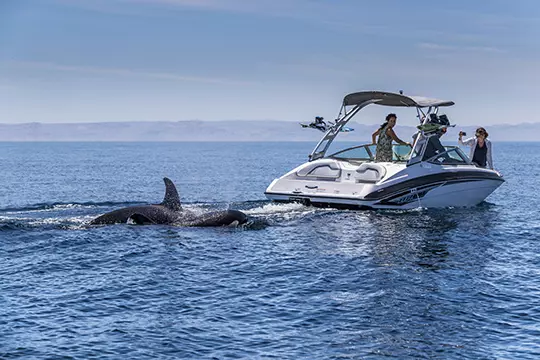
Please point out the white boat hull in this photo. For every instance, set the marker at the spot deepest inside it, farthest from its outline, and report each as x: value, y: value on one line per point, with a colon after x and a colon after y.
x: 402, y: 188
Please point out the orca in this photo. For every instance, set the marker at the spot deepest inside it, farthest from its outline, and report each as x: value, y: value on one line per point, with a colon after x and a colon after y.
x: 170, y: 212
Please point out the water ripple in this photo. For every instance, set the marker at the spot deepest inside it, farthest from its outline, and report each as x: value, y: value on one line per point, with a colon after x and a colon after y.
x: 296, y: 283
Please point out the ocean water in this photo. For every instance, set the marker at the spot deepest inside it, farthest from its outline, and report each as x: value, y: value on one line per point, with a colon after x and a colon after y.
x: 298, y: 283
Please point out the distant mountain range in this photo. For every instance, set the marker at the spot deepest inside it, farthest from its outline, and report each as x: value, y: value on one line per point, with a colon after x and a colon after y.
x: 234, y: 130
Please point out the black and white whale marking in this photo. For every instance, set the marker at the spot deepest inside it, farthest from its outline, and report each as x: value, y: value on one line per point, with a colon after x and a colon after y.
x: 170, y: 212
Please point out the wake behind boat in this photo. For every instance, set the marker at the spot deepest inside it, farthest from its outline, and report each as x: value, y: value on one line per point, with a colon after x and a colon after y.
x: 426, y: 174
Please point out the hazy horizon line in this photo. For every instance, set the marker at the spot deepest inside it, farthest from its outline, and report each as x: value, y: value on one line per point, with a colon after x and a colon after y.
x: 233, y: 120
x: 220, y: 141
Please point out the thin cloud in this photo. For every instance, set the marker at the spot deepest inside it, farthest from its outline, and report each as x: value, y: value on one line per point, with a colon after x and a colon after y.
x: 332, y: 15
x: 123, y: 72
x: 267, y: 7
x: 451, y: 48
x: 495, y: 20
x: 272, y: 7
x: 303, y: 10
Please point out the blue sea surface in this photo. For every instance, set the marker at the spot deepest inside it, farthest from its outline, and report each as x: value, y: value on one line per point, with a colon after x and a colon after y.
x: 297, y: 283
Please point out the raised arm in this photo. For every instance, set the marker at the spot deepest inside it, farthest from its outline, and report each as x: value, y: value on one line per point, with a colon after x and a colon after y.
x: 468, y: 142
x: 393, y: 135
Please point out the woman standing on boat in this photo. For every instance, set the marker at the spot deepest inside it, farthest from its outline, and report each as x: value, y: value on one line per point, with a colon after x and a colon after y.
x: 384, y: 143
x: 480, y: 148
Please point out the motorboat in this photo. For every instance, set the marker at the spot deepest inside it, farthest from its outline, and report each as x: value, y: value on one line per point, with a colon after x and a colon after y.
x: 425, y: 174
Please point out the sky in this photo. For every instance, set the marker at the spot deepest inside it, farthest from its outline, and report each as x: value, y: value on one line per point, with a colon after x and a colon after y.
x: 70, y: 61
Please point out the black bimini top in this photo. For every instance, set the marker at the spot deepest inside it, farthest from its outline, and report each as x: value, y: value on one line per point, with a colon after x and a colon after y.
x: 392, y: 99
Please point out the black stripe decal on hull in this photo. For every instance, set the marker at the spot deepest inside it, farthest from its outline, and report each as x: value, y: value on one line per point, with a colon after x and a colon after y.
x: 449, y: 177
x: 419, y: 192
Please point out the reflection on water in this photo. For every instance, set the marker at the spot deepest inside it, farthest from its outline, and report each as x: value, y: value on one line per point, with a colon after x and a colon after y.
x: 426, y: 235
x: 300, y: 283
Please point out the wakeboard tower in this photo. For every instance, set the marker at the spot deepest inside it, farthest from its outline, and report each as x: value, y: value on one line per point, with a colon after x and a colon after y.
x: 321, y: 125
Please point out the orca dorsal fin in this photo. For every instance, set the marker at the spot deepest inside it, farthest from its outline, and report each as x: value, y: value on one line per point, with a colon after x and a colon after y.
x: 171, y: 200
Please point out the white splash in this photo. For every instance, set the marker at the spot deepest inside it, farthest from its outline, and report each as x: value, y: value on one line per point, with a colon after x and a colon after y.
x: 276, y: 208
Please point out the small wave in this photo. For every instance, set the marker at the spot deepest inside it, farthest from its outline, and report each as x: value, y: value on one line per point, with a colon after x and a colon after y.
x: 77, y: 215
x: 11, y: 225
x: 255, y: 223
x: 282, y: 214
x: 29, y: 223
x: 63, y: 206
x: 53, y: 206
x: 277, y: 208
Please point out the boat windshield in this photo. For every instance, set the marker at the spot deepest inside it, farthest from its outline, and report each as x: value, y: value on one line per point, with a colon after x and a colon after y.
x: 367, y: 152
x: 453, y: 156
x: 431, y: 150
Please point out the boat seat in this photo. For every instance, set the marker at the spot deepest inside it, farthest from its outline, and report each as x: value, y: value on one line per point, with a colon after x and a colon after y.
x: 370, y: 173
x: 321, y: 170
